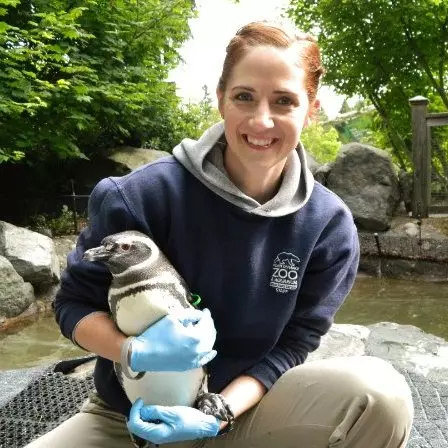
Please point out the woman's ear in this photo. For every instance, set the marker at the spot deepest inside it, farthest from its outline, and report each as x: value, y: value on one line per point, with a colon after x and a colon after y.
x: 314, y: 107
x: 220, y: 96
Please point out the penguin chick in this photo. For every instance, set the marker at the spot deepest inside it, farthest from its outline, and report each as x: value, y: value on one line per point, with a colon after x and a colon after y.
x: 145, y: 287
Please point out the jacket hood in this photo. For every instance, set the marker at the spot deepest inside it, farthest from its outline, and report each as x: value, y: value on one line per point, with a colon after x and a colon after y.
x: 204, y: 160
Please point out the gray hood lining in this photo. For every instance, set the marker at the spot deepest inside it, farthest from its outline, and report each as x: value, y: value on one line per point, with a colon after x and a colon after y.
x: 204, y: 160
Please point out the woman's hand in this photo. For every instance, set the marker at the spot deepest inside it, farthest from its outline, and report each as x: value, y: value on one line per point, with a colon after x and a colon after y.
x: 175, y: 343
x: 167, y: 424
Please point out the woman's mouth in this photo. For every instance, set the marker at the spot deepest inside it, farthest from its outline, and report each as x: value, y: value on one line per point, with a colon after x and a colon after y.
x: 259, y: 143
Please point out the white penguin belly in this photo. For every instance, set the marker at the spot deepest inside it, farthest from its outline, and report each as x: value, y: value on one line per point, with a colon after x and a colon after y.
x: 137, y: 312
x: 134, y: 314
x: 165, y: 388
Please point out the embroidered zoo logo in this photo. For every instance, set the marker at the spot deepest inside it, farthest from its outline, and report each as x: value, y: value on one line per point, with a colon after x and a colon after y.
x: 285, y: 272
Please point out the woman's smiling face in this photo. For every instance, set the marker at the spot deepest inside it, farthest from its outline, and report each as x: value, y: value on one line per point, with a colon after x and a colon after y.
x: 265, y: 106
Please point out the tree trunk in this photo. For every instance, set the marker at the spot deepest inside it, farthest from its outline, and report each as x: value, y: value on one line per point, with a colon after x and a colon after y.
x: 398, y: 145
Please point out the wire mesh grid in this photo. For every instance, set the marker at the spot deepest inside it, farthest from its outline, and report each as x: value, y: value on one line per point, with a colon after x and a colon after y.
x: 41, y: 406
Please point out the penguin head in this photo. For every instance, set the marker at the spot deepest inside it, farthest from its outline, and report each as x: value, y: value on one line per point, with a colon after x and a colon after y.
x: 123, y: 250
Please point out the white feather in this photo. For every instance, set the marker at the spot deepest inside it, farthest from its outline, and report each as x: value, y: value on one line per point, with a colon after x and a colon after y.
x: 165, y: 277
x: 136, y: 312
x: 165, y: 388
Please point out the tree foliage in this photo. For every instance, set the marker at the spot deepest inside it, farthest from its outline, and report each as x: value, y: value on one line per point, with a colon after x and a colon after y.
x: 322, y: 142
x: 195, y: 118
x: 80, y: 76
x: 386, y: 51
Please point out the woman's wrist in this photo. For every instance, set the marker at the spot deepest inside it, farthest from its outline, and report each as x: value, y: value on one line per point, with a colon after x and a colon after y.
x: 125, y: 359
x: 98, y: 334
x: 241, y: 394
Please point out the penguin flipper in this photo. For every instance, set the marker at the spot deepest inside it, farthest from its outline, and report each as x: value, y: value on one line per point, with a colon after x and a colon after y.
x: 216, y: 405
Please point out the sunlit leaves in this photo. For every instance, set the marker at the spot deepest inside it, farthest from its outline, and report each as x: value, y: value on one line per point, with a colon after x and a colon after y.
x: 81, y: 77
x: 192, y: 119
x: 322, y: 142
x: 385, y: 51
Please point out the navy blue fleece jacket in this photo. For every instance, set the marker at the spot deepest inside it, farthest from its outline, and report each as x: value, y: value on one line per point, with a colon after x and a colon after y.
x: 272, y: 283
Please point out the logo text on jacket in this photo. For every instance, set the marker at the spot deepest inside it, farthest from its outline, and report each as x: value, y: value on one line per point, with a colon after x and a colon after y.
x: 285, y: 272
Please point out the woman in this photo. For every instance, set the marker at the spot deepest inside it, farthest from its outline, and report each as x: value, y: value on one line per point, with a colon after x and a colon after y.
x: 273, y: 255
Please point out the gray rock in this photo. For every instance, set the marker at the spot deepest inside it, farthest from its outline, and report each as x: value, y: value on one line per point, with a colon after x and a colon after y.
x: 405, y: 346
x: 44, y: 231
x: 321, y: 175
x: 398, y: 243
x: 15, y: 294
x: 342, y: 340
x: 365, y: 178
x: 411, y: 229
x: 408, y: 251
x: 63, y: 245
x: 129, y: 158
x: 411, y: 348
x: 32, y: 254
x: 412, y: 270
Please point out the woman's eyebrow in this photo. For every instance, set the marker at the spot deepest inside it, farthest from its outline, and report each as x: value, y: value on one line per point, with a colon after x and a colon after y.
x: 251, y: 89
x: 287, y: 92
x: 277, y: 92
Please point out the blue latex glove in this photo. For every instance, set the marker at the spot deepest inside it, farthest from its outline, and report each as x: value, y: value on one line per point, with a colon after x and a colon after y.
x: 174, y: 423
x: 176, y: 343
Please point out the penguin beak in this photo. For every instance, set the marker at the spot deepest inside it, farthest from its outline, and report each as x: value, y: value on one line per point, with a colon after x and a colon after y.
x: 97, y: 254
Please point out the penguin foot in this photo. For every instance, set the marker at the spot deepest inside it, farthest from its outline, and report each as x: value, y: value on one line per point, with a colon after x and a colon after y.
x: 216, y: 405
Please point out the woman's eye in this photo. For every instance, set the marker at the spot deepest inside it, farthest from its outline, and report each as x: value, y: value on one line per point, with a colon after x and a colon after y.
x: 243, y: 96
x: 285, y: 101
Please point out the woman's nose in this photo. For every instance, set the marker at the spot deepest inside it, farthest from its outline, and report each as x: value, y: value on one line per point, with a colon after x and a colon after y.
x: 262, y: 117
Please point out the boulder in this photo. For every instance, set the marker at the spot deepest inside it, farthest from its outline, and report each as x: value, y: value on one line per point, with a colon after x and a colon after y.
x: 129, y: 158
x: 15, y: 294
x: 365, y: 178
x: 405, y: 346
x: 63, y: 246
x: 322, y: 173
x: 32, y: 254
x: 411, y: 348
x: 342, y: 340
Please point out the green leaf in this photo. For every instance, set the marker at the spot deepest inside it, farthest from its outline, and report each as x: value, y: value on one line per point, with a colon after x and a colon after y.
x: 78, y: 80
x: 63, y: 83
x: 4, y: 27
x: 83, y: 98
x: 385, y: 52
x: 12, y: 3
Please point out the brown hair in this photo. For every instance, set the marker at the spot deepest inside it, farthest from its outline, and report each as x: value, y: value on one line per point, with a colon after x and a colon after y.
x: 262, y: 33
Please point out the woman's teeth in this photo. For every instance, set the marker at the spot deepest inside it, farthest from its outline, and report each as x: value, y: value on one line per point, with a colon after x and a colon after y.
x: 259, y: 141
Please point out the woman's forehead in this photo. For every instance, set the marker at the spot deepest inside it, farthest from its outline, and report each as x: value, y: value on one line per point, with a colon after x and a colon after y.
x: 268, y: 66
